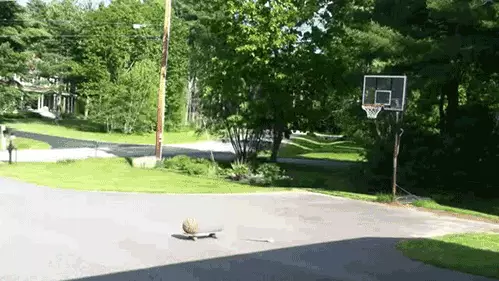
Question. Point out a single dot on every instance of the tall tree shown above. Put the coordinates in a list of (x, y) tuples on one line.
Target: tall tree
[(12, 56), (118, 36), (255, 66)]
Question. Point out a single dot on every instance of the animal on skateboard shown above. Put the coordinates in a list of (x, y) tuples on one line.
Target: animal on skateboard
[(191, 229)]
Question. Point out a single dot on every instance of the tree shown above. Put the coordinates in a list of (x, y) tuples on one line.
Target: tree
[(12, 56), (111, 46), (127, 102), (252, 56), (445, 47)]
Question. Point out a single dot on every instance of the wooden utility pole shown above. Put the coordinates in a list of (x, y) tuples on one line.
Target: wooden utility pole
[(162, 82)]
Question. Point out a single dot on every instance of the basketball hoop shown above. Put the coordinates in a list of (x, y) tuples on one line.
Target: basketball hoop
[(372, 110)]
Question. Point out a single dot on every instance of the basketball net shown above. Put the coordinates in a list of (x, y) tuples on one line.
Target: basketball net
[(372, 110)]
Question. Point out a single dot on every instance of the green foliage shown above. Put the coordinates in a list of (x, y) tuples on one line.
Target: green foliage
[(271, 172), (384, 198), (10, 98), (263, 68), (125, 105), (177, 74), (240, 170), (430, 161), (256, 69), (445, 48), (192, 166), (120, 66)]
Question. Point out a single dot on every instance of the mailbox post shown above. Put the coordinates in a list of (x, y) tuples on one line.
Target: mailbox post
[(3, 139), (11, 148)]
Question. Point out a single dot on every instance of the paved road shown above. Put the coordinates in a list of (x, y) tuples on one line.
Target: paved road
[(55, 234), (67, 148)]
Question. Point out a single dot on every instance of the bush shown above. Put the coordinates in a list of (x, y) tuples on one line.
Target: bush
[(192, 166), (240, 170), (462, 162), (270, 172)]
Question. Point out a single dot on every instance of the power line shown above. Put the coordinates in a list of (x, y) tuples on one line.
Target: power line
[(78, 36), (73, 21)]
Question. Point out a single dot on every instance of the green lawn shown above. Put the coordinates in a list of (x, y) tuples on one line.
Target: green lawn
[(80, 129), (342, 182), (490, 207), (116, 174), (475, 253), (23, 143), (321, 148)]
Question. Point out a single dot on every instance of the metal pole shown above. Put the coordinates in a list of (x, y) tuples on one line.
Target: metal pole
[(395, 156), (162, 82)]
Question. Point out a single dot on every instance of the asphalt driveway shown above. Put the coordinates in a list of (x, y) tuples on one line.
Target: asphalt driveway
[(67, 148), (54, 234)]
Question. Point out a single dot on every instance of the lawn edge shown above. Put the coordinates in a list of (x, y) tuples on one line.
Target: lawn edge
[(283, 190), (483, 217), (410, 206)]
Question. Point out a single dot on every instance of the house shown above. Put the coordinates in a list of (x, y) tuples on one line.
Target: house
[(43, 93)]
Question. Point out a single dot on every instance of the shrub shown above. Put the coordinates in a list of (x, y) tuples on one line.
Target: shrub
[(270, 171), (192, 166), (240, 170)]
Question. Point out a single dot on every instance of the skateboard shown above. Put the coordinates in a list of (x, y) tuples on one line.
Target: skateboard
[(203, 233)]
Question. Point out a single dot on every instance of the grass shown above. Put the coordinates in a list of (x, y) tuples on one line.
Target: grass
[(345, 194), (493, 210), (84, 130), (384, 198), (320, 148), (342, 182), (475, 253), (327, 180), (116, 174), (23, 143)]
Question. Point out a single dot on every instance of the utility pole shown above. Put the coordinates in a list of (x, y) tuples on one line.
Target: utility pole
[(162, 82)]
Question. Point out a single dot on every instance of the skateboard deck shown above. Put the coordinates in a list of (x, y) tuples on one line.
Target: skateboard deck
[(204, 233)]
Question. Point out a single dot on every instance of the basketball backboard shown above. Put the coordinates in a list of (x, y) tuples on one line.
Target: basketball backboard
[(385, 90)]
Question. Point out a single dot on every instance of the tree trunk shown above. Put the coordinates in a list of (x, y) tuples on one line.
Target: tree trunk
[(276, 144), (87, 104), (441, 111)]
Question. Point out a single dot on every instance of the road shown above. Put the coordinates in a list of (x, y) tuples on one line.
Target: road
[(67, 148), (57, 234)]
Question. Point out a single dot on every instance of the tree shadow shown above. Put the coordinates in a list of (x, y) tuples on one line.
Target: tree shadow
[(459, 200), (68, 122), (302, 147), (373, 258), (83, 125)]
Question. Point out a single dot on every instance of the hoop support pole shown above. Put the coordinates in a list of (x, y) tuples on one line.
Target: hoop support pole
[(396, 148)]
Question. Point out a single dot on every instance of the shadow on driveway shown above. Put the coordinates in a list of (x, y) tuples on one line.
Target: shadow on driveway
[(355, 259)]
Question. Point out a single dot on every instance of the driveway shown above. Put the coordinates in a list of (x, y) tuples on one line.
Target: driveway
[(67, 148), (55, 234)]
